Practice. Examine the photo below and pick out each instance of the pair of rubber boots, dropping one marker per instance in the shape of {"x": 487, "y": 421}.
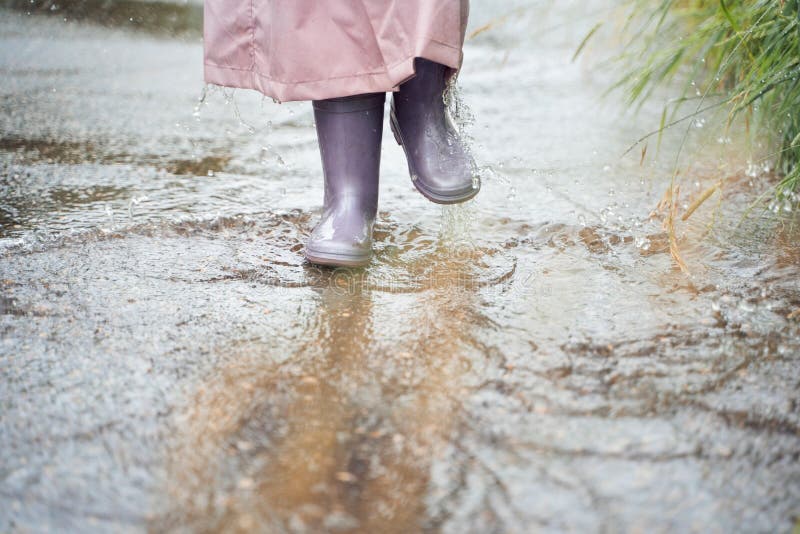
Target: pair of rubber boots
{"x": 349, "y": 131}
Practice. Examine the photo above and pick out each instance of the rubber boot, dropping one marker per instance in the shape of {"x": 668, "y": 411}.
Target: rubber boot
{"x": 349, "y": 132}
{"x": 441, "y": 167}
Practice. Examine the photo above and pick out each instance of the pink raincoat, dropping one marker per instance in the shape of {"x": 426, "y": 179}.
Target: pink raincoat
{"x": 317, "y": 49}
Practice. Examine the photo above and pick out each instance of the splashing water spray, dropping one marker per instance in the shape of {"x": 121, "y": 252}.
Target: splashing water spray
{"x": 455, "y": 228}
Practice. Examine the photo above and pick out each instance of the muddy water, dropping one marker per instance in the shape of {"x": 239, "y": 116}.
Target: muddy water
{"x": 532, "y": 361}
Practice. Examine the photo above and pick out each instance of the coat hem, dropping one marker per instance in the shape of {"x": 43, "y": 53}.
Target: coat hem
{"x": 375, "y": 82}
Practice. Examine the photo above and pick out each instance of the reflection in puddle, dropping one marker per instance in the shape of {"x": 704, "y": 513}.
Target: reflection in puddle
{"x": 207, "y": 165}
{"x": 48, "y": 151}
{"x": 73, "y": 198}
{"x": 340, "y": 436}
{"x": 42, "y": 180}
{"x": 154, "y": 16}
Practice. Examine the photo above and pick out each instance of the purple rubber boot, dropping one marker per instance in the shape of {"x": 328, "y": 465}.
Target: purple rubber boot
{"x": 349, "y": 131}
{"x": 440, "y": 166}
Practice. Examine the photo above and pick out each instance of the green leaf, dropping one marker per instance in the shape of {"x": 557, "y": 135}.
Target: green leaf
{"x": 586, "y": 40}
{"x": 728, "y": 16}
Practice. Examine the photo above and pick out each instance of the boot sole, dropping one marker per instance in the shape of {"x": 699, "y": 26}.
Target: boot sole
{"x": 430, "y": 195}
{"x": 336, "y": 260}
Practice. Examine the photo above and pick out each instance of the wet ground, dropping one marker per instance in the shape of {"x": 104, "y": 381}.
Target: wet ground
{"x": 532, "y": 361}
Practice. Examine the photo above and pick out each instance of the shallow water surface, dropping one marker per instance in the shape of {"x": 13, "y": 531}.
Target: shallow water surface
{"x": 533, "y": 360}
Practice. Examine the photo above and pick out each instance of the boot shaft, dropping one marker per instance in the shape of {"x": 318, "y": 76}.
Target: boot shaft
{"x": 349, "y": 131}
{"x": 424, "y": 92}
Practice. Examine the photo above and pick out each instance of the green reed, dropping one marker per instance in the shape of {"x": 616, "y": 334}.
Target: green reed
{"x": 736, "y": 53}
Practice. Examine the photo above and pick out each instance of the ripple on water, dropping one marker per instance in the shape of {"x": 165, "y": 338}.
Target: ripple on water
{"x": 268, "y": 249}
{"x": 408, "y": 258}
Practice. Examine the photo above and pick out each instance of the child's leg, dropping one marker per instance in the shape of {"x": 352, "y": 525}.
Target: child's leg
{"x": 440, "y": 165}
{"x": 349, "y": 132}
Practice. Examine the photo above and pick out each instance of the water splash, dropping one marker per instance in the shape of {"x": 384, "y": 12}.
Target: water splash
{"x": 202, "y": 100}
{"x": 461, "y": 119}
{"x": 455, "y": 228}
{"x": 460, "y": 113}
{"x": 229, "y": 95}
{"x": 784, "y": 202}
{"x": 135, "y": 201}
